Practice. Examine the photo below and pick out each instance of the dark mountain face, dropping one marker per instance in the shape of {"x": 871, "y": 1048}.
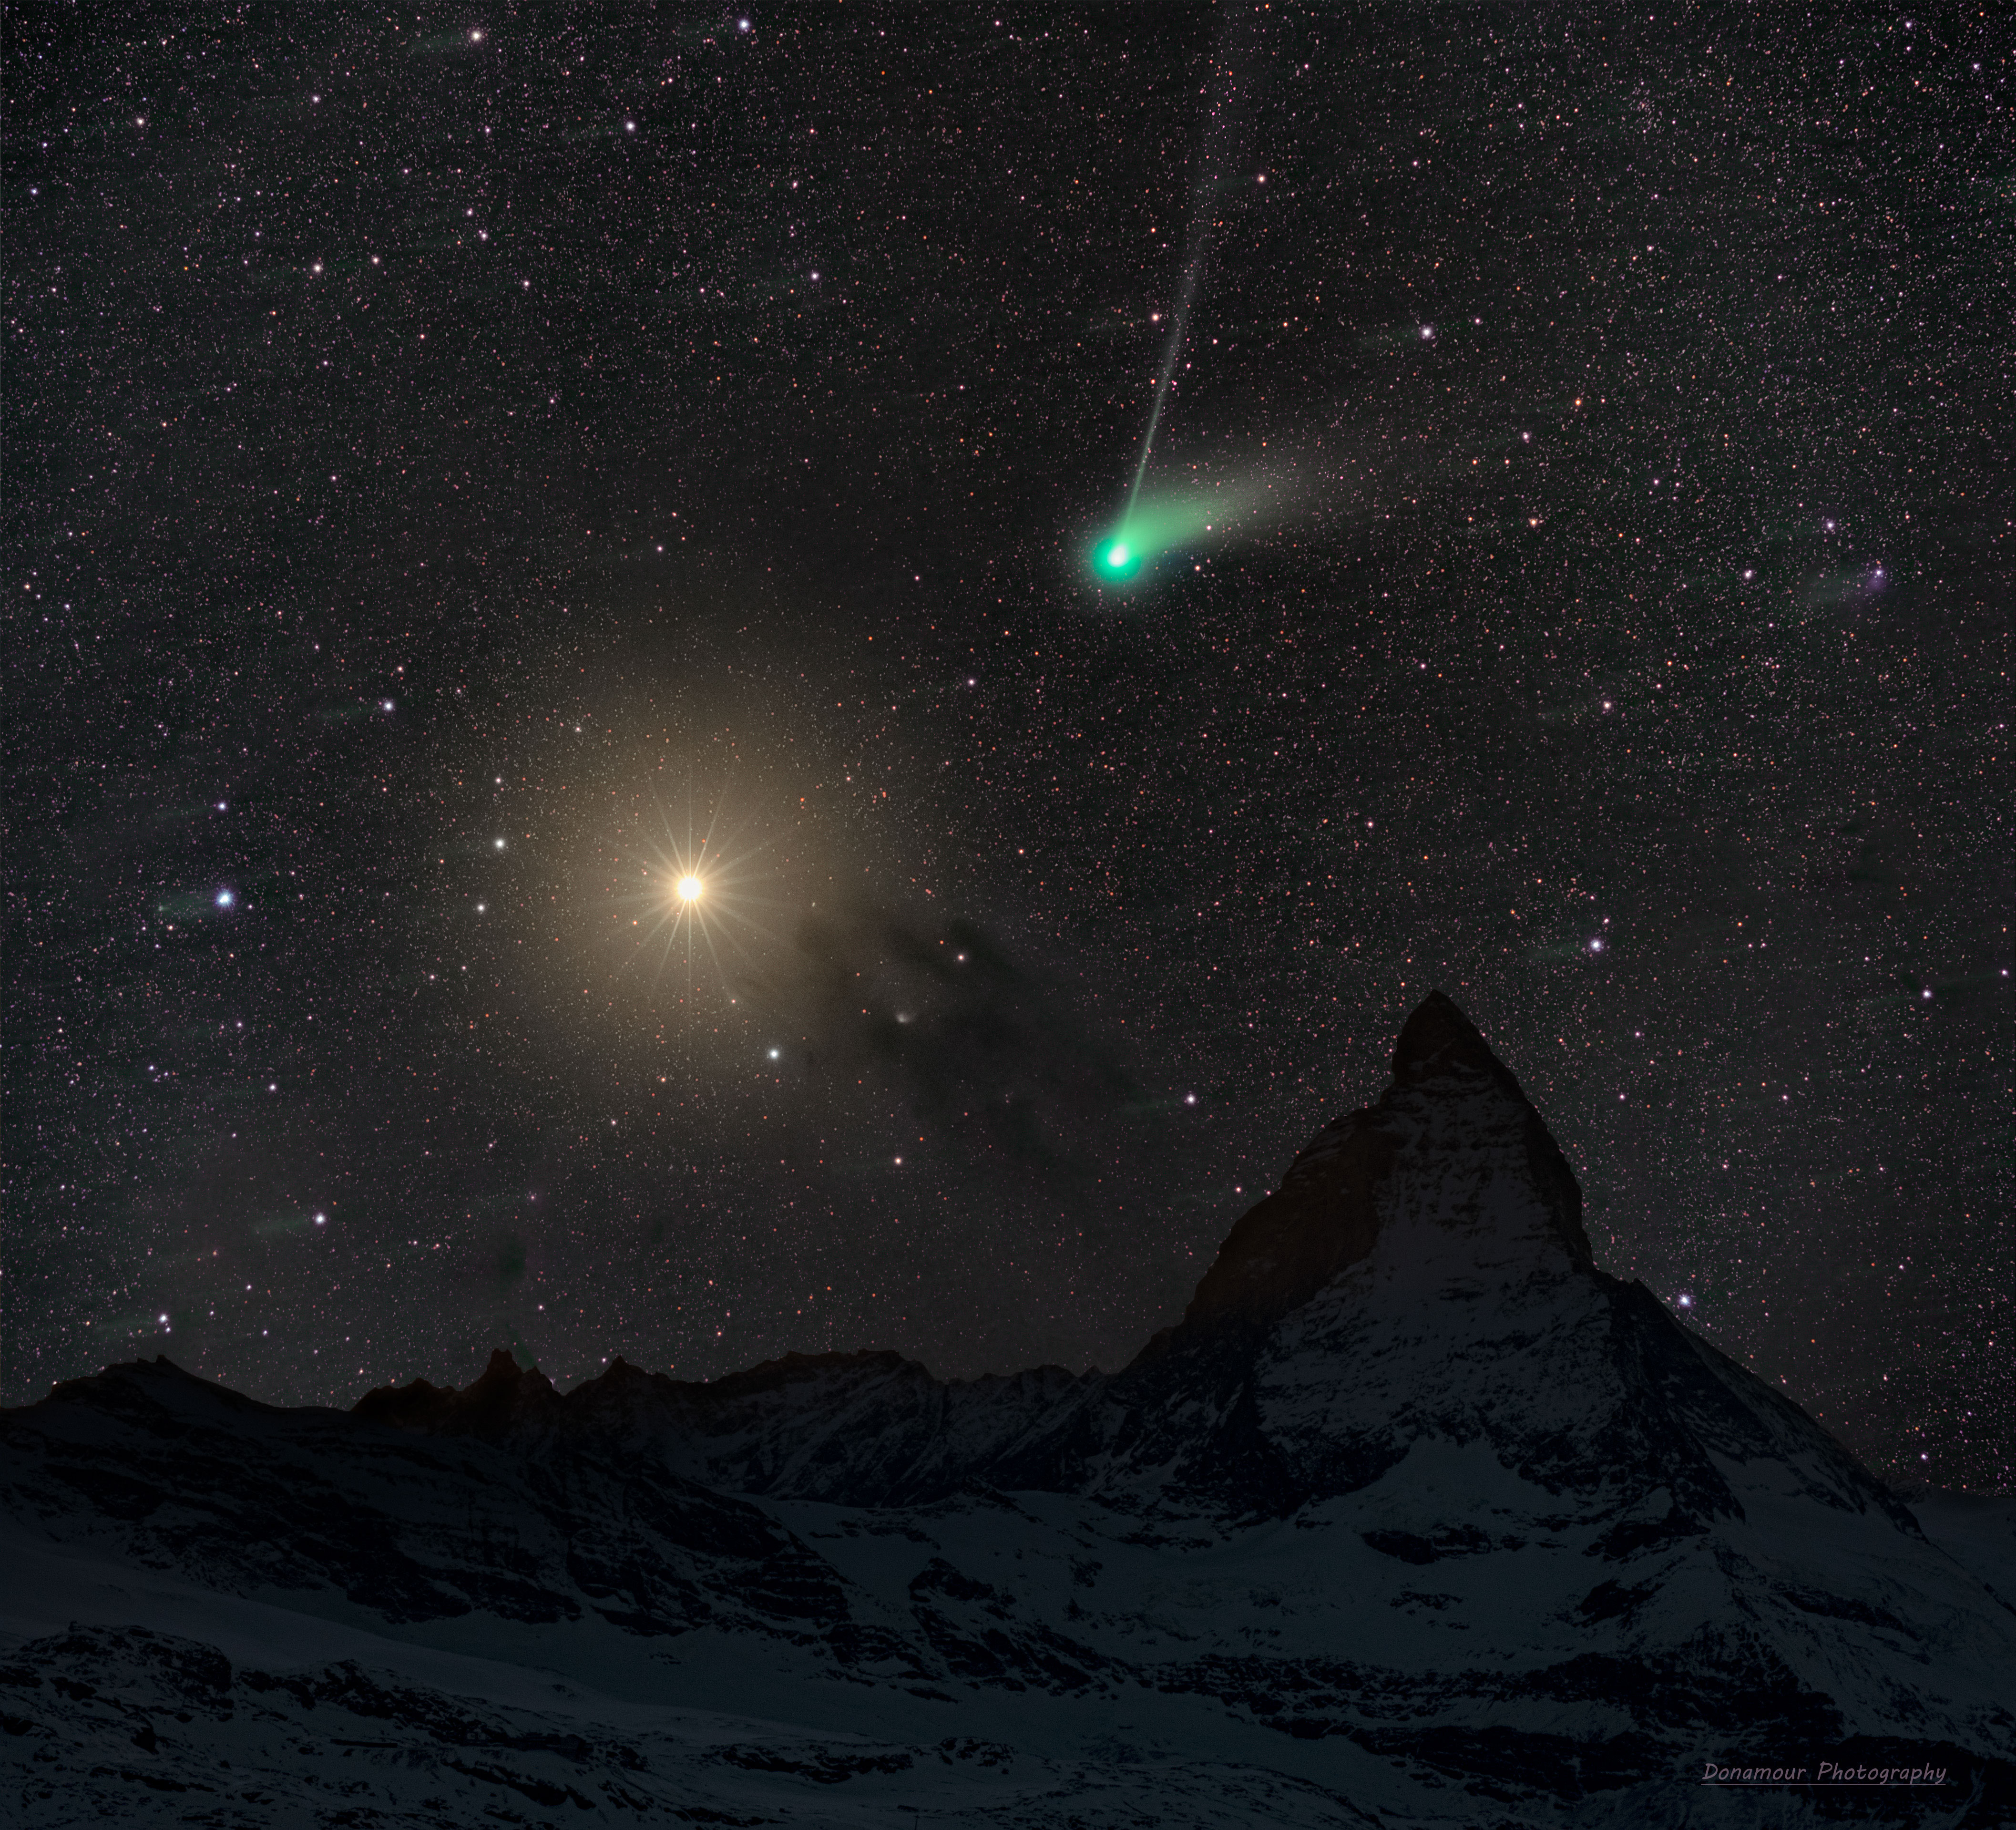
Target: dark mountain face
{"x": 1486, "y": 1281}
{"x": 1325, "y": 1215}
{"x": 182, "y": 1474}
{"x": 1411, "y": 1487}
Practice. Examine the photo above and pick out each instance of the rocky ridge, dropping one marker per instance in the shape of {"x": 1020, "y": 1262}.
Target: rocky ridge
{"x": 1415, "y": 1517}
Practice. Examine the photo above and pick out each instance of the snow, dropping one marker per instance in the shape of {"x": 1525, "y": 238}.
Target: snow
{"x": 1466, "y": 1533}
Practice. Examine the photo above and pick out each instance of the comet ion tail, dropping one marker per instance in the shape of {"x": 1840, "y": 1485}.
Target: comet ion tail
{"x": 689, "y": 889}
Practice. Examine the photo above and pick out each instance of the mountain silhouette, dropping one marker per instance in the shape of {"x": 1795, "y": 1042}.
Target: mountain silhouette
{"x": 1416, "y": 1516}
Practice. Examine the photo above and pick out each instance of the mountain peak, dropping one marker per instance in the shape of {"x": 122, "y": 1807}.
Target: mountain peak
{"x": 1437, "y": 1042}
{"x": 506, "y": 1397}
{"x": 1326, "y": 1216}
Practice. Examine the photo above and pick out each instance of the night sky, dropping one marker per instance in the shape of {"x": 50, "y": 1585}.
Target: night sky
{"x": 466, "y": 469}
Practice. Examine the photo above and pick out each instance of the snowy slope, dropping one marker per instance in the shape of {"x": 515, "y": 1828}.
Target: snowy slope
{"x": 1977, "y": 1530}
{"x": 1416, "y": 1519}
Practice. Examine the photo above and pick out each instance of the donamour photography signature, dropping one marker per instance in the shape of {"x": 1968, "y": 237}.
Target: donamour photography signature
{"x": 1822, "y": 1773}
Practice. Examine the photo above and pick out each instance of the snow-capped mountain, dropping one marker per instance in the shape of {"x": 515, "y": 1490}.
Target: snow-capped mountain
{"x": 1415, "y": 1517}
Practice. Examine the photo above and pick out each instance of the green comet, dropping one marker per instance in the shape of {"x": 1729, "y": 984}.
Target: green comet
{"x": 1153, "y": 527}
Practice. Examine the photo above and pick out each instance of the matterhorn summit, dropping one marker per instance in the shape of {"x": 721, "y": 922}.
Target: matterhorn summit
{"x": 1415, "y": 1517}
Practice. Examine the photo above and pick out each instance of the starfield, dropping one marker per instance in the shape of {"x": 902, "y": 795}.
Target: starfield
{"x": 771, "y": 710}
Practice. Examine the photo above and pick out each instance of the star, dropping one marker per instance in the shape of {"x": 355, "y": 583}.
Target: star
{"x": 1211, "y": 754}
